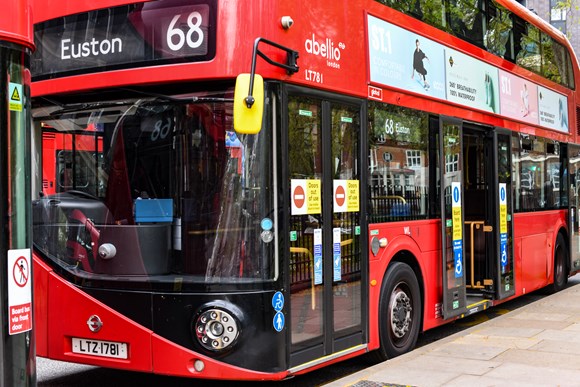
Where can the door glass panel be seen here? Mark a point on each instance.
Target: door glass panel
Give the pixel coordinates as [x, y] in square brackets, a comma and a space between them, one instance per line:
[346, 218]
[453, 260]
[506, 262]
[305, 171]
[574, 157]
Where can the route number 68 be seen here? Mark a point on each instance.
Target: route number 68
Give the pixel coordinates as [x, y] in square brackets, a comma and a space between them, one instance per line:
[194, 36]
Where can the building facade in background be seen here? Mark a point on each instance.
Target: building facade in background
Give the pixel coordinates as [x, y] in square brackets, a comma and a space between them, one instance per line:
[566, 20]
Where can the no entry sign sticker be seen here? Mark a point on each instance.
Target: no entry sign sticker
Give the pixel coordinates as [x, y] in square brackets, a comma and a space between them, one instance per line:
[19, 291]
[305, 196]
[346, 196]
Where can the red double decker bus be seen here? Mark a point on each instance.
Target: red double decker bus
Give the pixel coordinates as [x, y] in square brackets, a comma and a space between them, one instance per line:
[385, 168]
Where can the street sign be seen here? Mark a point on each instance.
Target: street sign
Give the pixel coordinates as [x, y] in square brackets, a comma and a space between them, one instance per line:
[19, 291]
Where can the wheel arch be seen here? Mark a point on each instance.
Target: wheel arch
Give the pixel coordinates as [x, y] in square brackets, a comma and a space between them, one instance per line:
[405, 256]
[403, 249]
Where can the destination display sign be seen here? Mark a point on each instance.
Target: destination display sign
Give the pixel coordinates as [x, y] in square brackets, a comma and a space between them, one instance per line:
[153, 33]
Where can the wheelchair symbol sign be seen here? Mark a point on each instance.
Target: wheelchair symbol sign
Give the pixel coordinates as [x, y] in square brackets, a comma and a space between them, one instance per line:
[278, 301]
[458, 258]
[458, 265]
[504, 258]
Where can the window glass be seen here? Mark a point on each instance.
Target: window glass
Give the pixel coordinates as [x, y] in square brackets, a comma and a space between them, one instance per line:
[515, 173]
[560, 58]
[398, 163]
[538, 173]
[161, 189]
[528, 55]
[550, 68]
[552, 176]
[467, 19]
[497, 37]
[487, 24]
[429, 11]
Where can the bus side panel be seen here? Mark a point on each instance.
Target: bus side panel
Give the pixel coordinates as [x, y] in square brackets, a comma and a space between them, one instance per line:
[40, 315]
[535, 236]
[69, 310]
[423, 240]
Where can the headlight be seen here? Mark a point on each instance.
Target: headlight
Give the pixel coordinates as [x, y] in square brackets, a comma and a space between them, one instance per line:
[216, 329]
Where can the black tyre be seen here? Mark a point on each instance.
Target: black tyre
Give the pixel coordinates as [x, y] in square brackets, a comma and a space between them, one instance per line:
[560, 267]
[399, 312]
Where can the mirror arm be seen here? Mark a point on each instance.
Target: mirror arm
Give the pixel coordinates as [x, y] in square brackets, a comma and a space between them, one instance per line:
[290, 66]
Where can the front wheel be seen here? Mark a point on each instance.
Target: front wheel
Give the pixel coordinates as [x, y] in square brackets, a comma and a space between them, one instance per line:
[399, 312]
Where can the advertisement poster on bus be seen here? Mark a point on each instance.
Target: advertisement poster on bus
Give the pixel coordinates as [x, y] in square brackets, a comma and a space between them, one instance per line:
[471, 82]
[518, 97]
[402, 59]
[553, 109]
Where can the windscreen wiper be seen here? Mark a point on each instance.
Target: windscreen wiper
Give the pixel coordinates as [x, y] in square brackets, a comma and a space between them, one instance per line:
[193, 99]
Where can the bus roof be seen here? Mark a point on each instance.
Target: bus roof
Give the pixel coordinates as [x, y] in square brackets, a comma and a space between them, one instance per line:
[16, 22]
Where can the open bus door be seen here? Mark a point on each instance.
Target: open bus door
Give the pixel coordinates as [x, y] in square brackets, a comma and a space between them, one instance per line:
[451, 169]
[505, 274]
[574, 206]
[476, 212]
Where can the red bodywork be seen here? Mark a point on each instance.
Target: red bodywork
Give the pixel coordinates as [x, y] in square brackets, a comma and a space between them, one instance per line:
[148, 352]
[16, 23]
[534, 238]
[315, 22]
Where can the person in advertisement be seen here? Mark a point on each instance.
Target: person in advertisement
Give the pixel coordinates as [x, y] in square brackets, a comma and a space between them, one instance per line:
[418, 57]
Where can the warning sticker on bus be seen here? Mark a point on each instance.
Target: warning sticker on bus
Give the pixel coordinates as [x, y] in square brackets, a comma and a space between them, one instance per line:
[15, 97]
[306, 196]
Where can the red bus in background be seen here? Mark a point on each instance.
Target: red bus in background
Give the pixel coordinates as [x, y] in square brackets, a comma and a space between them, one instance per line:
[60, 173]
[384, 169]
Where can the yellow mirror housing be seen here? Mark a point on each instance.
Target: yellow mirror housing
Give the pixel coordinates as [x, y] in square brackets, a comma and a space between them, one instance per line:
[248, 116]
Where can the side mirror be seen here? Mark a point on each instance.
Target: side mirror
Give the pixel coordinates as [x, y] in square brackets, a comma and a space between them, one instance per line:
[248, 108]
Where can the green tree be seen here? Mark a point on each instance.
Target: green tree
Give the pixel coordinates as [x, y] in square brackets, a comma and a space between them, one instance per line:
[566, 6]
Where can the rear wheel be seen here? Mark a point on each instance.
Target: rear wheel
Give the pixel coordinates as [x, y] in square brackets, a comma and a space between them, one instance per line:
[560, 259]
[399, 312]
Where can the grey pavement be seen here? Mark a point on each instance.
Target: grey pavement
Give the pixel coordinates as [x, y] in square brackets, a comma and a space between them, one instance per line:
[535, 345]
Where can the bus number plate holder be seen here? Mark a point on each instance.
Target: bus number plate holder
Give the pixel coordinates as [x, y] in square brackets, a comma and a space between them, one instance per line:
[99, 348]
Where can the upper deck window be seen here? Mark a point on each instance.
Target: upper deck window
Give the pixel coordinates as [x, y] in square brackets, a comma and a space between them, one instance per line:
[498, 36]
[467, 18]
[493, 28]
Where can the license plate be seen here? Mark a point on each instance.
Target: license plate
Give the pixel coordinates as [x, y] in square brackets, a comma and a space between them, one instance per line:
[99, 348]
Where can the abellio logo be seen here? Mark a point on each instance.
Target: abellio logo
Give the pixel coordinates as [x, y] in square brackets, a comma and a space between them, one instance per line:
[324, 47]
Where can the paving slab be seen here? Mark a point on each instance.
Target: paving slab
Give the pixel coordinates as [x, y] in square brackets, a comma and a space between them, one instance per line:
[536, 345]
